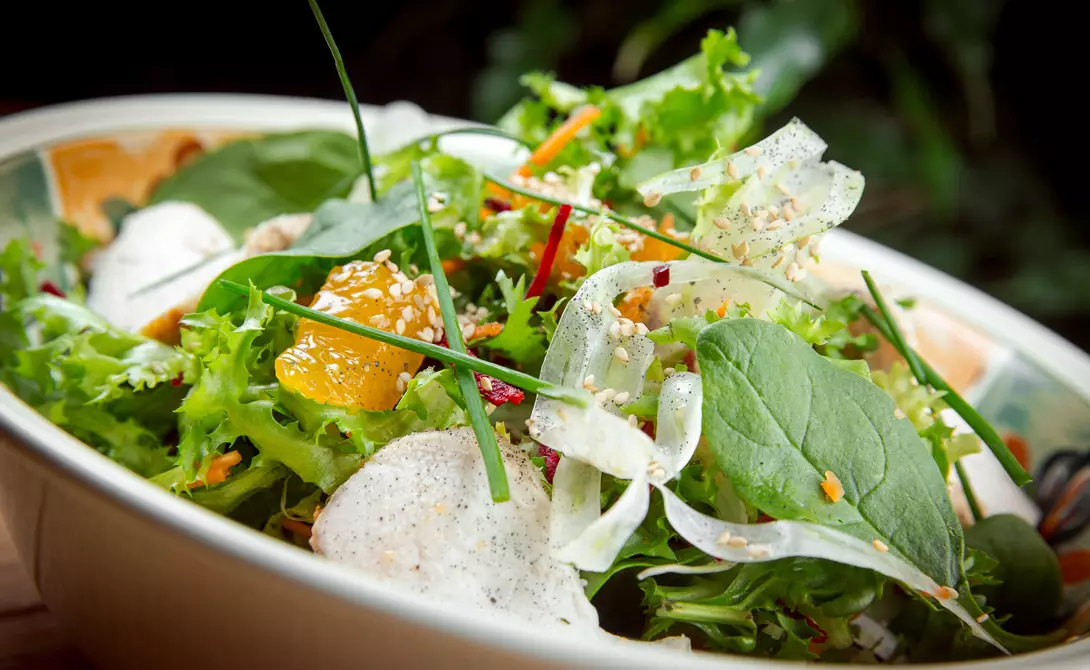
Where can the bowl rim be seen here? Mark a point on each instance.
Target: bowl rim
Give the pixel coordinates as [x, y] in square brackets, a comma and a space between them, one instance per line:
[43, 441]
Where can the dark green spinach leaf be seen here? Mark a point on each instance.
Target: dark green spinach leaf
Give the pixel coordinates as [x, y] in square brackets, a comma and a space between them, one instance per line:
[778, 415]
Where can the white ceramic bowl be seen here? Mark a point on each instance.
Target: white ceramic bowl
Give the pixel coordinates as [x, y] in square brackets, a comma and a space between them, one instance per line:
[141, 579]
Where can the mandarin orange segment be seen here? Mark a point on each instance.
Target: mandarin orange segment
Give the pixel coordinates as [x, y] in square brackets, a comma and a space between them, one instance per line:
[333, 367]
[565, 266]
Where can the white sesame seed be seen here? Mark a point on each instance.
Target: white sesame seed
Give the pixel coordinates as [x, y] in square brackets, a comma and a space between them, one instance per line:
[621, 398]
[668, 372]
[732, 170]
[779, 260]
[758, 223]
[438, 335]
[803, 241]
[432, 316]
[615, 330]
[486, 383]
[737, 542]
[605, 395]
[614, 311]
[596, 308]
[795, 273]
[395, 290]
[672, 299]
[404, 376]
[413, 269]
[721, 222]
[460, 229]
[407, 314]
[628, 330]
[740, 250]
[642, 329]
[881, 546]
[753, 151]
[633, 421]
[788, 212]
[372, 293]
[757, 551]
[724, 538]
[795, 203]
[775, 225]
[653, 198]
[474, 237]
[774, 211]
[746, 209]
[747, 262]
[982, 618]
[383, 256]
[376, 320]
[407, 287]
[621, 354]
[434, 206]
[400, 385]
[426, 334]
[588, 306]
[694, 174]
[588, 380]
[761, 172]
[399, 326]
[399, 276]
[783, 189]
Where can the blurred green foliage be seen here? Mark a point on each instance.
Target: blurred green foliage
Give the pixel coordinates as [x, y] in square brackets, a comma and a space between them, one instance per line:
[902, 91]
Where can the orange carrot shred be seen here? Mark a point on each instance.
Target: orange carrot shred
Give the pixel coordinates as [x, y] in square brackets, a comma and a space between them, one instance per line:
[832, 486]
[487, 330]
[555, 143]
[297, 527]
[453, 265]
[219, 469]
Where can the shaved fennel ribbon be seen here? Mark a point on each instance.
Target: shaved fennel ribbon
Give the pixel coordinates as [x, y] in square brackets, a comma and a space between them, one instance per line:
[598, 440]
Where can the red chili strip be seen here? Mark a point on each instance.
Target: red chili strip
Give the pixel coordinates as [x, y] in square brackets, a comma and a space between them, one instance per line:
[548, 257]
[51, 288]
[552, 458]
[493, 390]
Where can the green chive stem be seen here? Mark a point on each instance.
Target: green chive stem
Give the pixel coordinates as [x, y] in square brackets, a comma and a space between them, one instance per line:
[974, 505]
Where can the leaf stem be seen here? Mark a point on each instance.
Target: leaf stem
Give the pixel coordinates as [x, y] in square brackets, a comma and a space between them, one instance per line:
[954, 400]
[350, 93]
[970, 497]
[482, 428]
[514, 377]
[650, 232]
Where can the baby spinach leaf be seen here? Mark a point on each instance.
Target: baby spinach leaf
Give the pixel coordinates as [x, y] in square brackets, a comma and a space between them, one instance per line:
[778, 416]
[342, 230]
[249, 181]
[1030, 588]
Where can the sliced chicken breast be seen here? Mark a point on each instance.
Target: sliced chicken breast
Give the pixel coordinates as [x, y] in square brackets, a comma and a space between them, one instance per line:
[419, 514]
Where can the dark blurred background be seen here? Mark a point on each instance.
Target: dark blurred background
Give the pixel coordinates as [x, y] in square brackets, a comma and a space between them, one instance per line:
[961, 113]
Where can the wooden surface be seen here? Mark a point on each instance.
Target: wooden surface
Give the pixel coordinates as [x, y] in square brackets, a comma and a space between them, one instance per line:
[28, 638]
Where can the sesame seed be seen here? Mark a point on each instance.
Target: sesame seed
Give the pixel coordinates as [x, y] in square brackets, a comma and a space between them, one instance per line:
[653, 198]
[413, 269]
[400, 385]
[621, 354]
[788, 212]
[672, 299]
[486, 383]
[460, 229]
[803, 241]
[426, 334]
[881, 546]
[721, 222]
[747, 262]
[795, 273]
[779, 260]
[434, 206]
[407, 287]
[753, 151]
[724, 538]
[372, 293]
[596, 308]
[404, 376]
[774, 211]
[761, 172]
[467, 332]
[438, 335]
[614, 311]
[732, 170]
[474, 237]
[383, 256]
[633, 421]
[605, 395]
[775, 225]
[642, 329]
[615, 330]
[740, 250]
[737, 542]
[587, 306]
[758, 224]
[432, 316]
[399, 326]
[407, 314]
[392, 267]
[694, 174]
[757, 551]
[795, 203]
[783, 189]
[376, 320]
[745, 208]
[982, 618]
[668, 372]
[621, 398]
[588, 380]
[395, 290]
[627, 330]
[945, 593]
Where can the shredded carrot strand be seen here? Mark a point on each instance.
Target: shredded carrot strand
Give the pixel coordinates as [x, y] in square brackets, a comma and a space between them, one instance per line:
[297, 527]
[483, 330]
[219, 469]
[560, 138]
[452, 265]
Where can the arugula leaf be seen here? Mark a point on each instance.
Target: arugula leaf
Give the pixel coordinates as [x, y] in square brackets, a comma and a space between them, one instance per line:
[1031, 587]
[778, 415]
[249, 181]
[520, 341]
[343, 231]
[221, 407]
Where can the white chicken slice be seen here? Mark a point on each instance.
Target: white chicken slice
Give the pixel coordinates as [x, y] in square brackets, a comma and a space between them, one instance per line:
[154, 244]
[419, 514]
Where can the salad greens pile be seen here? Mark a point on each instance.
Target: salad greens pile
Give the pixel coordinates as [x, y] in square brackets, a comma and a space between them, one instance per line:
[723, 462]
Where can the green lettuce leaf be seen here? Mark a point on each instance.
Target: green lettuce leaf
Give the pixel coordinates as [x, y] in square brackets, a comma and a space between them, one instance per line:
[19, 268]
[521, 341]
[601, 249]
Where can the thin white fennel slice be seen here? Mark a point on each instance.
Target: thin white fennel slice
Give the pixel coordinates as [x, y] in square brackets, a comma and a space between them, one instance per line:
[597, 547]
[677, 431]
[749, 543]
[679, 569]
[576, 503]
[790, 203]
[793, 142]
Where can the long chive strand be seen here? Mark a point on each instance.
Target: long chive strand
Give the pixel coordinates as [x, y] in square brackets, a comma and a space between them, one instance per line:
[482, 427]
[350, 93]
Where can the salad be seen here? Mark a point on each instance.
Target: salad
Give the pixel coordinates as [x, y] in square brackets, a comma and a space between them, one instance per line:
[589, 381]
